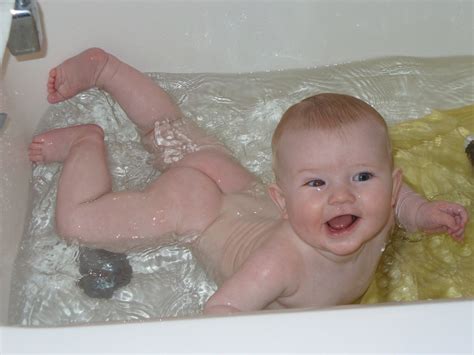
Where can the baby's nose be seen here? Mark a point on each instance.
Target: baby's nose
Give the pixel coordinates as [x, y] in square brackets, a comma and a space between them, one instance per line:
[341, 194]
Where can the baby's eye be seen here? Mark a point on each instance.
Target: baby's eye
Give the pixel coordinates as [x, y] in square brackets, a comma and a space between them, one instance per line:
[363, 176]
[315, 183]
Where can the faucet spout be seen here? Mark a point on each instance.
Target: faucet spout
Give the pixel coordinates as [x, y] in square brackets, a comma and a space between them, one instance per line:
[25, 33]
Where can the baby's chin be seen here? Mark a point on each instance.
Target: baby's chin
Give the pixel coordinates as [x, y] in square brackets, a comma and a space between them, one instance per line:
[345, 250]
[345, 247]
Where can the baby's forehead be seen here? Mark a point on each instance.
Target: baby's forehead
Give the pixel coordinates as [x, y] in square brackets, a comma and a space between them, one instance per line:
[349, 144]
[353, 132]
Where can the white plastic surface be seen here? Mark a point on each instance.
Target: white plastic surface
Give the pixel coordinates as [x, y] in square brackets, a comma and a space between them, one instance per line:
[227, 36]
[443, 327]
[5, 22]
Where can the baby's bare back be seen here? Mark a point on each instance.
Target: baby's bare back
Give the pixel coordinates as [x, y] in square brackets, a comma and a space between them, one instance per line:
[242, 225]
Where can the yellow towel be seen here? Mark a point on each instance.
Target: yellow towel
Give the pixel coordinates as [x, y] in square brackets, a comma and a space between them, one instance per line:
[431, 153]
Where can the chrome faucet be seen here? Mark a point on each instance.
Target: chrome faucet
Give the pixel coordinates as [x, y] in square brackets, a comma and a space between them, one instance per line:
[25, 32]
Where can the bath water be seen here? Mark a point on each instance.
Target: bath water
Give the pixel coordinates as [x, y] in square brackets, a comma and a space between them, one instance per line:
[241, 110]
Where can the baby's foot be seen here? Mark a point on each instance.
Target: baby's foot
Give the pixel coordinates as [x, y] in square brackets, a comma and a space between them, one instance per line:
[54, 145]
[76, 74]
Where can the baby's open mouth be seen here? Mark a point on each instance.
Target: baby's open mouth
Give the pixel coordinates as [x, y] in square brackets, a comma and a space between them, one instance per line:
[342, 223]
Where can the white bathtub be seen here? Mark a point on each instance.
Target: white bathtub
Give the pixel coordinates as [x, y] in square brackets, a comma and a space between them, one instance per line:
[227, 36]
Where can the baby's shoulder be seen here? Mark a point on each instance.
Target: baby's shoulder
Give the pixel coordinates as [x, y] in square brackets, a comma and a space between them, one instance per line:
[281, 260]
[281, 251]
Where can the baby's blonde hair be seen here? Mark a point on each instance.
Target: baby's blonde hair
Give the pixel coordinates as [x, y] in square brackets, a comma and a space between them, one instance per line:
[326, 111]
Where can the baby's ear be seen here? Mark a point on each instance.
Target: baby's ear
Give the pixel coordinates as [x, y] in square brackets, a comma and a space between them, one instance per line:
[397, 178]
[278, 198]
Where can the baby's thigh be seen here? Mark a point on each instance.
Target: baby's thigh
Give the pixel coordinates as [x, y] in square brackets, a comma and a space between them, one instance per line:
[220, 166]
[181, 201]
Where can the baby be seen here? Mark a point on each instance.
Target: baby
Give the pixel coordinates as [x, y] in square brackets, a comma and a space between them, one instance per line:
[314, 240]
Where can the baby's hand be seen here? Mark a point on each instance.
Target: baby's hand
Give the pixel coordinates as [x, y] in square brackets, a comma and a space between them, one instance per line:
[442, 216]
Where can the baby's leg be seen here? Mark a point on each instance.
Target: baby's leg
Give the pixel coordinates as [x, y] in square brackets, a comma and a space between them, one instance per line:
[154, 113]
[84, 177]
[103, 272]
[142, 100]
[87, 211]
[85, 174]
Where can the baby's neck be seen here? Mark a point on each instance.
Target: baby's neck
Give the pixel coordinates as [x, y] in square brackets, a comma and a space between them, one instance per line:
[342, 259]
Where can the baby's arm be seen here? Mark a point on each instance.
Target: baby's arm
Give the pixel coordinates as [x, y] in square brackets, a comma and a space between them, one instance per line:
[257, 283]
[416, 213]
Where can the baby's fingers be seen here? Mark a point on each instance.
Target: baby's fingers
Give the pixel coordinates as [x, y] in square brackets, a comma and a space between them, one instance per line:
[457, 233]
[460, 218]
[458, 236]
[448, 222]
[457, 211]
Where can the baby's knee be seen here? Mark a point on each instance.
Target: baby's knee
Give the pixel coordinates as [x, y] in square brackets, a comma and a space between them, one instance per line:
[73, 225]
[66, 227]
[90, 135]
[93, 131]
[96, 53]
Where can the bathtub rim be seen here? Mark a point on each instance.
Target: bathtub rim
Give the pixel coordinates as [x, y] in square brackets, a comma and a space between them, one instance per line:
[423, 331]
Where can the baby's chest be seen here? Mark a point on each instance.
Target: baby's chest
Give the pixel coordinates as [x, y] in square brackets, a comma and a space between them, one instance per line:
[329, 287]
[330, 283]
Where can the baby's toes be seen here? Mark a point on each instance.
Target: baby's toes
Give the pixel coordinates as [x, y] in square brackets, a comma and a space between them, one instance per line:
[52, 74]
[51, 89]
[34, 154]
[35, 150]
[55, 82]
[52, 81]
[36, 158]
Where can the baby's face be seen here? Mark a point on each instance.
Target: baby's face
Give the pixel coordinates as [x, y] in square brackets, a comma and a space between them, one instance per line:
[337, 189]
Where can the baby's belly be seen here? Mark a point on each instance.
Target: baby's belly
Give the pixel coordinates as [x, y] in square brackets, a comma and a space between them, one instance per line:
[243, 224]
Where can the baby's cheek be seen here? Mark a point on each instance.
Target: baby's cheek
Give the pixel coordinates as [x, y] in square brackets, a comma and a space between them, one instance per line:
[313, 216]
[378, 202]
[306, 217]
